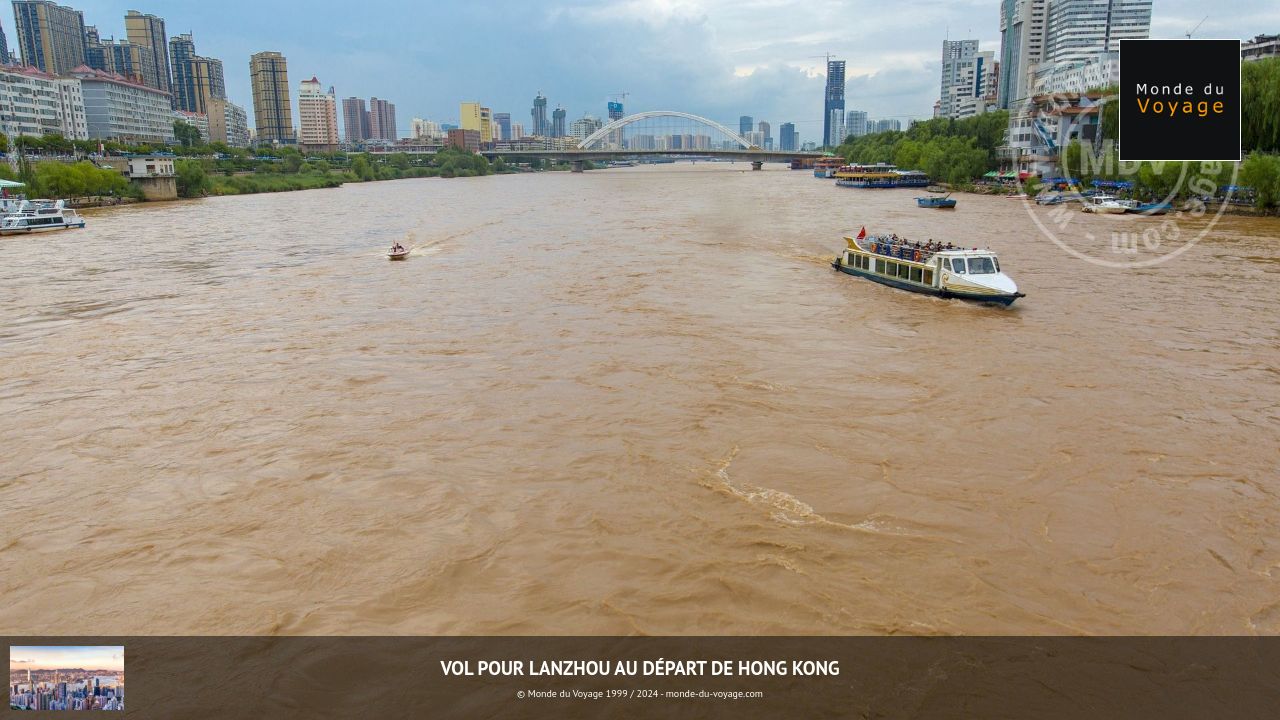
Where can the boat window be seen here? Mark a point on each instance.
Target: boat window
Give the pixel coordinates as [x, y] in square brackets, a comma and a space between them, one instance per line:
[981, 266]
[915, 274]
[880, 266]
[997, 262]
[928, 276]
[903, 270]
[957, 265]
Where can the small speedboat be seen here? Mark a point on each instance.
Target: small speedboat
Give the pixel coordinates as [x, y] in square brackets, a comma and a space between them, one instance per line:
[398, 252]
[944, 203]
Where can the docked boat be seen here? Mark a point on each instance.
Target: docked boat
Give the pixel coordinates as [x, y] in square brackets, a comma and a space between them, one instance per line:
[950, 273]
[944, 203]
[1050, 200]
[398, 252]
[1108, 205]
[879, 175]
[1160, 208]
[40, 216]
[826, 167]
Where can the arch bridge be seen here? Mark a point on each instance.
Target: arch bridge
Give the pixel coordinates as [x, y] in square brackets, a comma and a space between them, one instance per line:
[608, 143]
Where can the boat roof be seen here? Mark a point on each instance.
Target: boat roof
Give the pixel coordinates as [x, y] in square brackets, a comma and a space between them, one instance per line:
[953, 252]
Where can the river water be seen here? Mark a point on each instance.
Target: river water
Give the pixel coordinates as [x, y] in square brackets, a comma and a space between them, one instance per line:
[627, 401]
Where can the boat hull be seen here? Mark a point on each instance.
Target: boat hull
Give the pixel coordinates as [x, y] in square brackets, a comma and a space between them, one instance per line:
[936, 203]
[1001, 299]
[41, 228]
[397, 256]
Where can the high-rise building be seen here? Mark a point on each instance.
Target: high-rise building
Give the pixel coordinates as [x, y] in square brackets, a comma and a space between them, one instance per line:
[765, 131]
[317, 117]
[582, 128]
[788, 140]
[421, 129]
[558, 122]
[148, 31]
[541, 128]
[4, 47]
[886, 125]
[228, 123]
[833, 103]
[50, 36]
[136, 62]
[96, 54]
[1080, 30]
[517, 131]
[1259, 48]
[855, 123]
[181, 49]
[967, 74]
[382, 120]
[355, 120]
[1022, 35]
[745, 125]
[502, 125]
[469, 116]
[486, 125]
[272, 111]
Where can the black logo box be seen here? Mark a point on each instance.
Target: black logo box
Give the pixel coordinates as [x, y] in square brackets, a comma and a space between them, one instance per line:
[1186, 64]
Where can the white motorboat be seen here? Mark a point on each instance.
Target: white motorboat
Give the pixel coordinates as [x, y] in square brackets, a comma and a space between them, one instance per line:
[40, 216]
[1108, 205]
[949, 273]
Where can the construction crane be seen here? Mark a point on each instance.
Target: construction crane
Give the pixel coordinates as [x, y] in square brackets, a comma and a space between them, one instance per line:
[1197, 27]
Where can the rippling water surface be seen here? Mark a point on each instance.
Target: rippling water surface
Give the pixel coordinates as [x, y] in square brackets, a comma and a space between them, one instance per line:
[630, 401]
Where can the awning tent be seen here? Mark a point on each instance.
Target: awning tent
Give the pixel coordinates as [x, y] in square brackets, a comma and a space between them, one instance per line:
[10, 183]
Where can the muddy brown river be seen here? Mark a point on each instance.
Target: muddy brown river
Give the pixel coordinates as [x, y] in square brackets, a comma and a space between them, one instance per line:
[628, 401]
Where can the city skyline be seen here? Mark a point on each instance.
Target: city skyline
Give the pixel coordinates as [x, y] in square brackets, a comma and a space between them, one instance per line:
[730, 59]
[63, 657]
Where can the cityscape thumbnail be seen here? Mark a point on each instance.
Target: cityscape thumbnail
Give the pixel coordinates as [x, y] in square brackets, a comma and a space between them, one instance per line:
[66, 677]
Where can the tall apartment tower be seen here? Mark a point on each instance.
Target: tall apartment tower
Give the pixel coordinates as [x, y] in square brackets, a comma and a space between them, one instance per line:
[317, 117]
[746, 124]
[1080, 30]
[967, 75]
[833, 104]
[50, 36]
[1022, 35]
[765, 132]
[148, 31]
[539, 113]
[355, 120]
[502, 126]
[382, 120]
[272, 115]
[181, 49]
[787, 137]
[558, 122]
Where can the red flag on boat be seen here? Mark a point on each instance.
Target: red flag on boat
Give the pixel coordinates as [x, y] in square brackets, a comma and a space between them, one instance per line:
[863, 232]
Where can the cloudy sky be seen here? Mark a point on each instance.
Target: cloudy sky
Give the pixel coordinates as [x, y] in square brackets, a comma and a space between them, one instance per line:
[55, 657]
[717, 58]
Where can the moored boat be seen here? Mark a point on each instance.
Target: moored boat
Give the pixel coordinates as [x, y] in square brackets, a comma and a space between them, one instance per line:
[40, 216]
[943, 203]
[945, 272]
[826, 167]
[1107, 205]
[1159, 208]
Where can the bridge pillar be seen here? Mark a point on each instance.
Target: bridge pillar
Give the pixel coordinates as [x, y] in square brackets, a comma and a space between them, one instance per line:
[578, 166]
[757, 164]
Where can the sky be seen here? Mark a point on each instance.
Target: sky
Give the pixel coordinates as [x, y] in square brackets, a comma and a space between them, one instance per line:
[56, 657]
[715, 58]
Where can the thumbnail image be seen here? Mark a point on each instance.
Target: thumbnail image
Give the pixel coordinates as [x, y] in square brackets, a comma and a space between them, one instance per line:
[66, 677]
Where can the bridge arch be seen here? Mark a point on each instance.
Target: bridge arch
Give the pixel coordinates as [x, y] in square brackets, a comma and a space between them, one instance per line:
[618, 125]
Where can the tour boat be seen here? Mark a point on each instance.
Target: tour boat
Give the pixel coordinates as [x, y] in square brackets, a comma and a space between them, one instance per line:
[398, 253]
[826, 167]
[1050, 200]
[879, 175]
[40, 216]
[952, 273]
[1108, 205]
[944, 203]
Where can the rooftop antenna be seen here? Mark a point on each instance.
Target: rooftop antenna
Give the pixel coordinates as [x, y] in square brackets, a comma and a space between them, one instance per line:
[1197, 27]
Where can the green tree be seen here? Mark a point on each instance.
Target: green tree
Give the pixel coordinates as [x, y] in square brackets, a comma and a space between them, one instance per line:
[1262, 173]
[1260, 98]
[187, 135]
[362, 169]
[192, 179]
